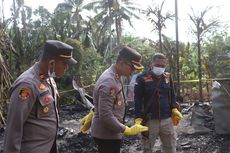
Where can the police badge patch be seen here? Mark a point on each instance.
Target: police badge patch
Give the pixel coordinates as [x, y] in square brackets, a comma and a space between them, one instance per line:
[46, 99]
[119, 103]
[112, 91]
[46, 109]
[24, 93]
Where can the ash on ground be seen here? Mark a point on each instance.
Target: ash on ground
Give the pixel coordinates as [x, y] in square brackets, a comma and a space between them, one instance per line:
[195, 133]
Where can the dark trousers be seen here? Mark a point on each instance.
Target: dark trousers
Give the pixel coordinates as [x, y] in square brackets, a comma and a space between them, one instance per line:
[54, 148]
[108, 145]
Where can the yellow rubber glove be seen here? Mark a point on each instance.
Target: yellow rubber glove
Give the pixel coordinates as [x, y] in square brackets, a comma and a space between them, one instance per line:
[138, 121]
[177, 114]
[135, 129]
[86, 121]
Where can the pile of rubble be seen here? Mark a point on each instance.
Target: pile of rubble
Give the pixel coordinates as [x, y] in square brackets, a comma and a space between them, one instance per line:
[195, 133]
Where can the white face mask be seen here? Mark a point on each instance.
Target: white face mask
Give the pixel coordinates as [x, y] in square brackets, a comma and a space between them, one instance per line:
[52, 74]
[158, 70]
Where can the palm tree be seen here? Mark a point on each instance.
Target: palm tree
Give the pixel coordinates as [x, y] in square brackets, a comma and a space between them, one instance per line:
[109, 18]
[21, 17]
[124, 10]
[201, 28]
[75, 14]
[42, 25]
[158, 20]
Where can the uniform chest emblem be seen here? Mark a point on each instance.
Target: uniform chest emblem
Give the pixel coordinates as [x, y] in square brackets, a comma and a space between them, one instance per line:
[120, 100]
[46, 99]
[24, 93]
[119, 103]
[112, 91]
[46, 109]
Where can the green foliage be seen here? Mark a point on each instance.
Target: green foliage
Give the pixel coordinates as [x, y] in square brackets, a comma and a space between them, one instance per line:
[5, 77]
[77, 54]
[95, 35]
[92, 66]
[216, 59]
[107, 23]
[188, 62]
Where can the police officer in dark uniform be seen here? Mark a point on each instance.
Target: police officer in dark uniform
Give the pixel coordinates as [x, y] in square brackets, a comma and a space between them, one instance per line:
[107, 124]
[32, 121]
[155, 102]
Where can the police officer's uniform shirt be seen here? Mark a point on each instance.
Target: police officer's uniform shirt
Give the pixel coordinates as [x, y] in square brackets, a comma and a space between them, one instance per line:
[109, 106]
[32, 116]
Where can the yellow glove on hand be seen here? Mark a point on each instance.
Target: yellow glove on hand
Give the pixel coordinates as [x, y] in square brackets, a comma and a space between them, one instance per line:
[177, 114]
[135, 129]
[86, 121]
[138, 121]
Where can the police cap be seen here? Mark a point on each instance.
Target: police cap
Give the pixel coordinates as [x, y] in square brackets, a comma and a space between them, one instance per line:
[55, 48]
[132, 56]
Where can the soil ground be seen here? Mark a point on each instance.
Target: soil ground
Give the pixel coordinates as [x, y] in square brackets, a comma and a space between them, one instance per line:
[189, 139]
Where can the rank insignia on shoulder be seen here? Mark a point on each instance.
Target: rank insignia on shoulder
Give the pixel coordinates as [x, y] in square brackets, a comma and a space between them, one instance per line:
[46, 109]
[42, 86]
[112, 91]
[24, 93]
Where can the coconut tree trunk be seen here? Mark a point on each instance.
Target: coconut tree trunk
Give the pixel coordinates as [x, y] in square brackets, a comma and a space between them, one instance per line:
[199, 67]
[118, 30]
[160, 42]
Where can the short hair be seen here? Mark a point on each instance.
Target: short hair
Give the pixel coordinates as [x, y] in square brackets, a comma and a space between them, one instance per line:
[158, 56]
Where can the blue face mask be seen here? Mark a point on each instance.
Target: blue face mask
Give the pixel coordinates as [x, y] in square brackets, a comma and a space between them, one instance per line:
[158, 70]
